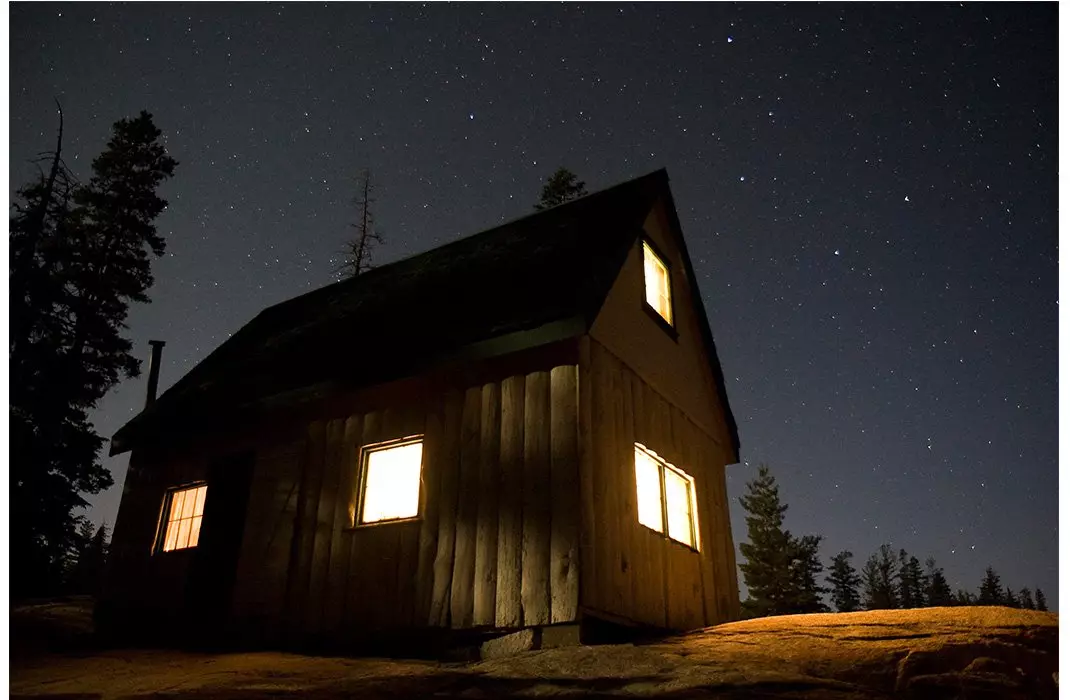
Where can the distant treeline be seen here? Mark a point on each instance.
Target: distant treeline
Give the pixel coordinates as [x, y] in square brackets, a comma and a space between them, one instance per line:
[783, 572]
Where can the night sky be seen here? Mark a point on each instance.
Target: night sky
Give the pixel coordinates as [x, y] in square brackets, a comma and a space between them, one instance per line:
[869, 195]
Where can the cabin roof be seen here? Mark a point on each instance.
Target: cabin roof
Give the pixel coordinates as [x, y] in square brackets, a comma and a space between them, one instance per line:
[533, 280]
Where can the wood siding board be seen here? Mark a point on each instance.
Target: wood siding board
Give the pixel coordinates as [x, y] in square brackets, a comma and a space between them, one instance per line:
[448, 464]
[464, 561]
[411, 422]
[486, 555]
[535, 581]
[305, 530]
[624, 510]
[642, 565]
[361, 579]
[693, 593]
[334, 611]
[430, 500]
[328, 536]
[564, 486]
[510, 505]
[588, 545]
[602, 492]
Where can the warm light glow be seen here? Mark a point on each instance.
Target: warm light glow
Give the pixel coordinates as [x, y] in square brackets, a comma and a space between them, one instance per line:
[392, 482]
[657, 481]
[678, 507]
[648, 490]
[656, 276]
[185, 509]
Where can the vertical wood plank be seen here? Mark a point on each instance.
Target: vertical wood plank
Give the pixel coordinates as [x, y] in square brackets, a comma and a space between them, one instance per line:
[565, 495]
[361, 583]
[304, 534]
[510, 505]
[588, 553]
[535, 583]
[622, 470]
[464, 557]
[325, 531]
[448, 465]
[338, 568]
[605, 541]
[486, 556]
[692, 595]
[412, 422]
[430, 503]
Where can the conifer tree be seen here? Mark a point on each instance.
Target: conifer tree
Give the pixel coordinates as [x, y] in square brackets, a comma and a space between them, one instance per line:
[878, 580]
[938, 592]
[805, 567]
[991, 591]
[1025, 598]
[767, 553]
[963, 597]
[844, 582]
[357, 251]
[910, 582]
[1042, 601]
[1009, 599]
[80, 256]
[559, 188]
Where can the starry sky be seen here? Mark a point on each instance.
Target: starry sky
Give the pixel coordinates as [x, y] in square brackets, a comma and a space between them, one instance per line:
[869, 195]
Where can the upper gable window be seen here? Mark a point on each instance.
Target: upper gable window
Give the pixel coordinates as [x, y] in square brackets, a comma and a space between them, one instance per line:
[390, 481]
[656, 277]
[182, 513]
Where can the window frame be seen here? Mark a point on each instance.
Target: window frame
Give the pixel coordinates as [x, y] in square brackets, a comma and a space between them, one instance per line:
[663, 464]
[668, 326]
[362, 481]
[164, 518]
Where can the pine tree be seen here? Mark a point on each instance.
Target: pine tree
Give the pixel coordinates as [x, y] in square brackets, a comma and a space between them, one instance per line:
[767, 553]
[937, 592]
[80, 255]
[844, 582]
[964, 598]
[1009, 599]
[878, 580]
[991, 591]
[559, 188]
[805, 567]
[910, 582]
[87, 567]
[1025, 599]
[357, 251]
[1042, 602]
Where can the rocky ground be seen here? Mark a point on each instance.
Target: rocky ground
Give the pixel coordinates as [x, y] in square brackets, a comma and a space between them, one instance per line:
[974, 652]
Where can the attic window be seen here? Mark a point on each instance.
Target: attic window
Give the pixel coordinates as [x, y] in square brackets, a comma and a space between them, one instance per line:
[390, 481]
[656, 277]
[183, 510]
[665, 497]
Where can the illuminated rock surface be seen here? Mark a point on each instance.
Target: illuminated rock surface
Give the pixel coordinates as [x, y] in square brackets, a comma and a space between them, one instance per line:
[978, 652]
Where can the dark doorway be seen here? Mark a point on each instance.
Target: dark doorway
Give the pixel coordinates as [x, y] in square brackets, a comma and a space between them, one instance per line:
[212, 572]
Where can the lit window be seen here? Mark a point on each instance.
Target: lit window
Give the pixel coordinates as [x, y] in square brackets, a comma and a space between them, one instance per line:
[656, 275]
[390, 487]
[183, 509]
[666, 497]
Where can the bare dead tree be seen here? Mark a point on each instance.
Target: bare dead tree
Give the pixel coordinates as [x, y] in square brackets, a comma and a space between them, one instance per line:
[357, 251]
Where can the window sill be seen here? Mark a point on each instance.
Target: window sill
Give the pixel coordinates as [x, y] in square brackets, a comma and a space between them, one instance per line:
[662, 323]
[382, 523]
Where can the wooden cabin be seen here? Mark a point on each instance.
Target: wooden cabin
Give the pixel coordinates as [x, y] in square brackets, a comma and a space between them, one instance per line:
[524, 428]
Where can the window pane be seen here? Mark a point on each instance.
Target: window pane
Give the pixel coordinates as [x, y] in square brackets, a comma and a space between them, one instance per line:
[198, 509]
[172, 536]
[648, 490]
[392, 483]
[188, 502]
[183, 534]
[656, 278]
[195, 531]
[176, 505]
[678, 505]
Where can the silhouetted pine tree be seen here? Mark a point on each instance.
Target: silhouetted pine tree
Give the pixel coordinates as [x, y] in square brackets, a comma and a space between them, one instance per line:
[1025, 598]
[991, 591]
[767, 552]
[963, 597]
[80, 254]
[87, 569]
[844, 582]
[805, 568]
[357, 251]
[910, 582]
[938, 592]
[878, 580]
[560, 187]
[1042, 602]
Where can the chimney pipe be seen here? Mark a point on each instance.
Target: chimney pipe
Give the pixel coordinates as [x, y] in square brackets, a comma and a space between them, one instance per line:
[154, 371]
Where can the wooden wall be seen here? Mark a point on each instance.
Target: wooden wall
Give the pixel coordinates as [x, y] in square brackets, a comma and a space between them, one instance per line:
[496, 544]
[630, 571]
